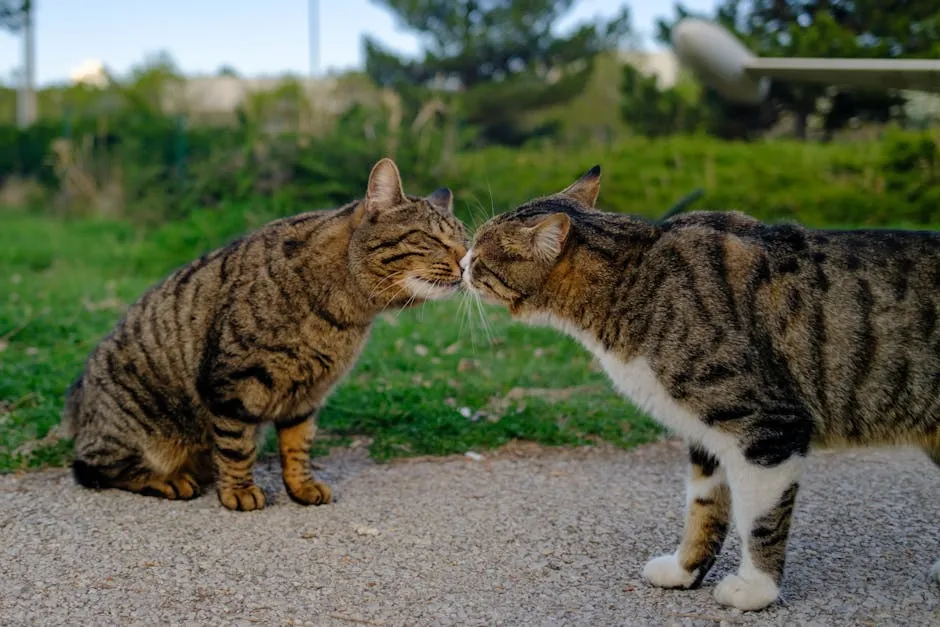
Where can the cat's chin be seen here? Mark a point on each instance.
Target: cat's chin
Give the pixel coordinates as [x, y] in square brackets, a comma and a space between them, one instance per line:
[425, 290]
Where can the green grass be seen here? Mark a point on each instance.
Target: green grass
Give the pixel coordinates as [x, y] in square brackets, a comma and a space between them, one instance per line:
[429, 383]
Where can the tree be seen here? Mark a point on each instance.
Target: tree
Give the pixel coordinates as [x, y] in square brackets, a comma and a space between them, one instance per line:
[652, 111]
[830, 28]
[13, 13]
[496, 59]
[686, 107]
[154, 85]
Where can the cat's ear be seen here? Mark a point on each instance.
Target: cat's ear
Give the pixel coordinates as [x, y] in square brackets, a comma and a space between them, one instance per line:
[384, 189]
[586, 188]
[442, 199]
[549, 236]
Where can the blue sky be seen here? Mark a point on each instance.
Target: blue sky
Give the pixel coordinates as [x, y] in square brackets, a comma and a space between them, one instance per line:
[202, 35]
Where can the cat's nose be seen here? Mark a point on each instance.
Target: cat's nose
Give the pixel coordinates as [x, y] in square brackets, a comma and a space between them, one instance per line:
[465, 262]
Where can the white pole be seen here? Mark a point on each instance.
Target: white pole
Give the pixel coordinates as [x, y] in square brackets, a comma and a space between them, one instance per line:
[26, 101]
[314, 38]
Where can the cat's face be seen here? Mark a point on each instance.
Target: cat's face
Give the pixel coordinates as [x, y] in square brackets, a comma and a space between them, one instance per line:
[513, 254]
[406, 249]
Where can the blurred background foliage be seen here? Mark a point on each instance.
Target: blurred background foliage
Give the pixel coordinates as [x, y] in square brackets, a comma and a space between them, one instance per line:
[501, 105]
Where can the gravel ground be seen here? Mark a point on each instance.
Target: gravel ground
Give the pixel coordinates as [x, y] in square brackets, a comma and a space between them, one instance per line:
[529, 536]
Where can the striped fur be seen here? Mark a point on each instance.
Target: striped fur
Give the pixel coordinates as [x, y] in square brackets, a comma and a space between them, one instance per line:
[258, 331]
[754, 342]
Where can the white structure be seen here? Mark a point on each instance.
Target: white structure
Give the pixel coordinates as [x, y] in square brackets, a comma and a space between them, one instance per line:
[720, 60]
[662, 64]
[224, 94]
[91, 72]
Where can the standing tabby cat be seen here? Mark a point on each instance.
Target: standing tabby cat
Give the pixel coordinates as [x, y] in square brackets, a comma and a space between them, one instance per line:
[754, 342]
[257, 331]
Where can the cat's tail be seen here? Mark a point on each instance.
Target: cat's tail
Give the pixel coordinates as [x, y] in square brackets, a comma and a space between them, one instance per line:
[73, 403]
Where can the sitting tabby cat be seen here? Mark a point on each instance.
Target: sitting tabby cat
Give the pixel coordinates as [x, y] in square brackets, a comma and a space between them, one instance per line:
[257, 331]
[754, 342]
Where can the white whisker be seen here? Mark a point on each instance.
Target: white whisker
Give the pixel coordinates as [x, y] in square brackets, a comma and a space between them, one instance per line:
[483, 321]
[391, 299]
[476, 217]
[471, 322]
[405, 306]
[390, 277]
[435, 285]
[400, 287]
[492, 206]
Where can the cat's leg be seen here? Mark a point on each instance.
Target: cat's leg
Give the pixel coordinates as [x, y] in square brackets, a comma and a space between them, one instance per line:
[238, 399]
[295, 438]
[708, 505]
[763, 491]
[234, 455]
[150, 466]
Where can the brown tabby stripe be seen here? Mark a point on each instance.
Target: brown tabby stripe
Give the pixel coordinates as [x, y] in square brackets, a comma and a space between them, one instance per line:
[291, 422]
[223, 432]
[769, 533]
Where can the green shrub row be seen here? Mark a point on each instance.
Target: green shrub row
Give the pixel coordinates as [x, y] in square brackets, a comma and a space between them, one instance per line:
[889, 182]
[167, 170]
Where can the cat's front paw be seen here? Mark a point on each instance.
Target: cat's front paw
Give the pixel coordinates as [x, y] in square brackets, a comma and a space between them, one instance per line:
[310, 492]
[935, 571]
[755, 592]
[666, 572]
[242, 499]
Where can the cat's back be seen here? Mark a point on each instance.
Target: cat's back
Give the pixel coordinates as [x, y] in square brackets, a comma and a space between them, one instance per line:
[162, 335]
[888, 256]
[852, 313]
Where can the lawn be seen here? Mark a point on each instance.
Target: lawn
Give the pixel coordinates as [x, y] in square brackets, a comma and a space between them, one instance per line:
[432, 381]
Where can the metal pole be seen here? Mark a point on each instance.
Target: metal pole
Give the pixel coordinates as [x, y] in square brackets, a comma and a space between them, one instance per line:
[26, 101]
[314, 15]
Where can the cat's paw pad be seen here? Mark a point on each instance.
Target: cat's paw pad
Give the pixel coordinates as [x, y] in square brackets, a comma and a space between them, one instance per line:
[242, 499]
[310, 492]
[666, 572]
[935, 571]
[755, 592]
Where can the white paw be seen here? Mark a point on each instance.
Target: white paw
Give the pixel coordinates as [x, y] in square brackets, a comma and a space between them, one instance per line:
[664, 571]
[754, 593]
[935, 571]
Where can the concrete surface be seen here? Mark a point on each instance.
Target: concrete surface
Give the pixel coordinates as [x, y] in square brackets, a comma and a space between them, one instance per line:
[526, 537]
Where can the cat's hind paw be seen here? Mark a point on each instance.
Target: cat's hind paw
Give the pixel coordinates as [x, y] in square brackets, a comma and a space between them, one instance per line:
[755, 592]
[666, 572]
[180, 487]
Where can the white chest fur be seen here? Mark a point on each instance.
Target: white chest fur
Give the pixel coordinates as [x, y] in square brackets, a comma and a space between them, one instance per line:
[636, 380]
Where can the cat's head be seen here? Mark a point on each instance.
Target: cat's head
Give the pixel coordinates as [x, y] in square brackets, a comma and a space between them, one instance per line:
[514, 253]
[405, 249]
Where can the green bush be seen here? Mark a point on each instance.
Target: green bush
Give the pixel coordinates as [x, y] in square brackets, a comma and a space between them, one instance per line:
[167, 170]
[25, 153]
[896, 181]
